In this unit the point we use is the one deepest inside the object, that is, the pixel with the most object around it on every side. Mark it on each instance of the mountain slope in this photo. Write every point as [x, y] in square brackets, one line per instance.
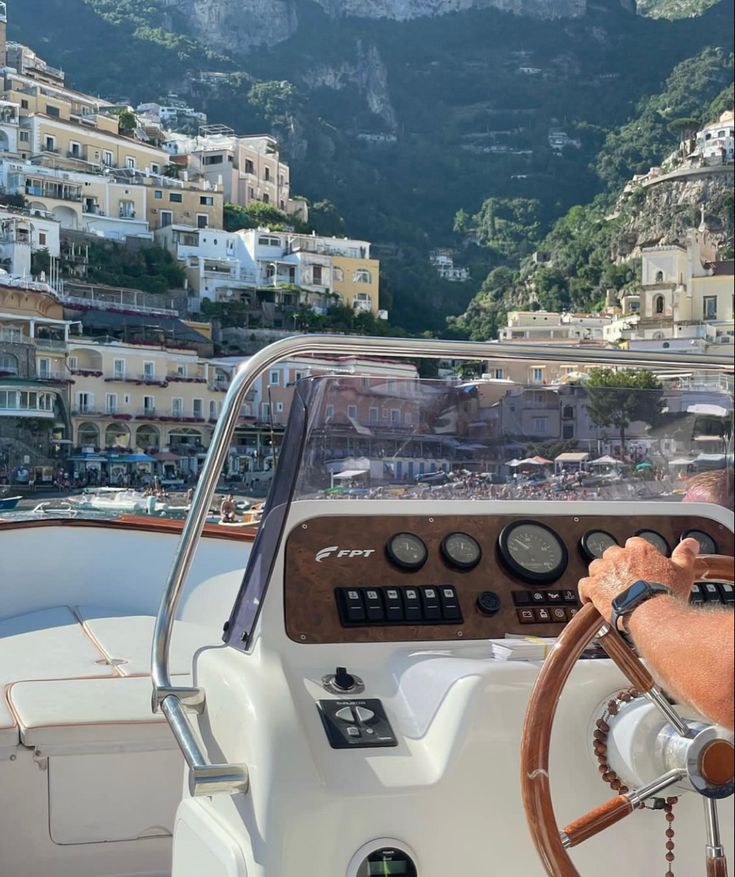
[399, 123]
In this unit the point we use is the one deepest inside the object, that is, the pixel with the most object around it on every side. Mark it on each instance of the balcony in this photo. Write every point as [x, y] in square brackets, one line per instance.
[86, 411]
[57, 345]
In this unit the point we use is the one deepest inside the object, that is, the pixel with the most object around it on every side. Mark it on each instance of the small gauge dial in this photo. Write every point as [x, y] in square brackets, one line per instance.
[655, 539]
[595, 543]
[407, 551]
[707, 544]
[461, 551]
[533, 551]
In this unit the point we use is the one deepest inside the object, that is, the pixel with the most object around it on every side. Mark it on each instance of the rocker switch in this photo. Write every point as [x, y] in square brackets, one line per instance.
[343, 680]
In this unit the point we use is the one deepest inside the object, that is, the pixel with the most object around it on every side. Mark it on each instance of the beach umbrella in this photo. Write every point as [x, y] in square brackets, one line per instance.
[644, 465]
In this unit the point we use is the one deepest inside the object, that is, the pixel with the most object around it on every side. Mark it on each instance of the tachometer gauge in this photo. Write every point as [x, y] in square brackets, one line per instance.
[407, 551]
[707, 544]
[533, 551]
[655, 539]
[461, 550]
[595, 543]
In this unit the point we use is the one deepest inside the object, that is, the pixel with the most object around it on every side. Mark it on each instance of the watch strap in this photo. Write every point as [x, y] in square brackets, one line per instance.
[632, 597]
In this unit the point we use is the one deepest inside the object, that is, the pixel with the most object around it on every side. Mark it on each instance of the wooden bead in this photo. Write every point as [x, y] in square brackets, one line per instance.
[670, 845]
[669, 832]
[670, 857]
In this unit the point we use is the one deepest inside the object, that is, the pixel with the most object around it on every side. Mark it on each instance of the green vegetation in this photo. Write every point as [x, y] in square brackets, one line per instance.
[323, 218]
[673, 9]
[150, 269]
[617, 398]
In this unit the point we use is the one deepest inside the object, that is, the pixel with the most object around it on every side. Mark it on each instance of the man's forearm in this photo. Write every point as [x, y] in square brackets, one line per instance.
[691, 653]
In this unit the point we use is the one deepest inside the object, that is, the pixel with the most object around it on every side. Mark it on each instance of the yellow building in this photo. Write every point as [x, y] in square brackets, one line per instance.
[179, 202]
[357, 282]
[142, 397]
[70, 141]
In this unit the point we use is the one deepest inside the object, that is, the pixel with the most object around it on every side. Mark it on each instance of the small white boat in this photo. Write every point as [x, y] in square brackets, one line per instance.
[118, 499]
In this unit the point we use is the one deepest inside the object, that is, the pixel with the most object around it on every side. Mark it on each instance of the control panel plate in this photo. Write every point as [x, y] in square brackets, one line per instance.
[328, 555]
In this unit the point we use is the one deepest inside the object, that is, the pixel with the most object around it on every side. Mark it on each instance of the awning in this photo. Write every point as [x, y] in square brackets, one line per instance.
[87, 458]
[350, 473]
[708, 409]
[680, 461]
[605, 460]
[571, 457]
[118, 459]
[167, 457]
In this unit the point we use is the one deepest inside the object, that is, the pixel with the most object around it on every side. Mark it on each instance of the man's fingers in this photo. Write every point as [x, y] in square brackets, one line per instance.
[638, 542]
[582, 586]
[685, 554]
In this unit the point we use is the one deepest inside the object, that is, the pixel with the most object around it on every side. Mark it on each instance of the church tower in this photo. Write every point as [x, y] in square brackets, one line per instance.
[3, 33]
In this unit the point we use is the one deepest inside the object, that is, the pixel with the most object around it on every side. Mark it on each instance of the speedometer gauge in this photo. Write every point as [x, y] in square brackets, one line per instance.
[655, 539]
[406, 551]
[461, 551]
[595, 543]
[533, 551]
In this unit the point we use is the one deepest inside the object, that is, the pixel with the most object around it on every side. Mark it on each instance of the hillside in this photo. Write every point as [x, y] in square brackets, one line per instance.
[399, 123]
[596, 247]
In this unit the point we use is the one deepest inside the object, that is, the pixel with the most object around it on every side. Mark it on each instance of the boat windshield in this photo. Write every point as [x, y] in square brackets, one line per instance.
[596, 434]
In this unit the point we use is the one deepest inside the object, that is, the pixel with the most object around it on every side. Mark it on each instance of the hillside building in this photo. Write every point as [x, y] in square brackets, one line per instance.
[549, 326]
[716, 141]
[443, 261]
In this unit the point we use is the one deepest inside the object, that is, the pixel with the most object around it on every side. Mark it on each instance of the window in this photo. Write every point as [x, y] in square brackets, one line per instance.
[352, 412]
[279, 407]
[175, 197]
[181, 371]
[395, 417]
[24, 103]
[408, 419]
[206, 200]
[362, 275]
[659, 277]
[212, 410]
[42, 239]
[118, 369]
[43, 368]
[107, 158]
[328, 413]
[275, 378]
[338, 274]
[537, 375]
[249, 166]
[267, 175]
[266, 198]
[568, 431]
[202, 220]
[213, 159]
[177, 407]
[158, 194]
[110, 403]
[149, 370]
[75, 149]
[659, 304]
[24, 136]
[197, 408]
[149, 404]
[155, 169]
[127, 209]
[710, 307]
[85, 403]
[540, 425]
[167, 218]
[499, 374]
[73, 363]
[49, 144]
[373, 416]
[51, 110]
[265, 411]
[317, 275]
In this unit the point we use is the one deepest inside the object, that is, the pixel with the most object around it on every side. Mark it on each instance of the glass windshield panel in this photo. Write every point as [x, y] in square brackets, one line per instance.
[591, 434]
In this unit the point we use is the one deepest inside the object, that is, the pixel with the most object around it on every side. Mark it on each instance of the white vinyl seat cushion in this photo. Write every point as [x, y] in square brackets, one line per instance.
[89, 715]
[48, 644]
[126, 639]
[8, 726]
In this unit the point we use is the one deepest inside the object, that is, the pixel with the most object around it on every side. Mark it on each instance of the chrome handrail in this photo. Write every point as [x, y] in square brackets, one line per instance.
[206, 778]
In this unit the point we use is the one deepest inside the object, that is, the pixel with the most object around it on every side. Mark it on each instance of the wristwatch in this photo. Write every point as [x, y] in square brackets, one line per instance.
[631, 598]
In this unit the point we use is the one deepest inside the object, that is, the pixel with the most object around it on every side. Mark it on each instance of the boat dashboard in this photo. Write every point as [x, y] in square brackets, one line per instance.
[360, 578]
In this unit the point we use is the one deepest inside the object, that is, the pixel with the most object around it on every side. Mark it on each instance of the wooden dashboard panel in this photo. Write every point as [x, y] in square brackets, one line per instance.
[311, 612]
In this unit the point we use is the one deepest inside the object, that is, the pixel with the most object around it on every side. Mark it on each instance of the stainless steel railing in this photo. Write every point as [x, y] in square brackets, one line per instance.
[206, 778]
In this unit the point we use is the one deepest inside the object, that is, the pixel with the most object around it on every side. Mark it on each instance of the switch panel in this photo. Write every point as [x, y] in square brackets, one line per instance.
[356, 724]
[387, 606]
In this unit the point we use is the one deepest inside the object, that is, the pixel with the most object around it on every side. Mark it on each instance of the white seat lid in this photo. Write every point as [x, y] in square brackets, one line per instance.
[128, 638]
[89, 714]
[8, 726]
[48, 644]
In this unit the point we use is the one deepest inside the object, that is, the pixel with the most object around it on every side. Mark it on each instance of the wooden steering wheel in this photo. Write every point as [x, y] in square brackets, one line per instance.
[551, 842]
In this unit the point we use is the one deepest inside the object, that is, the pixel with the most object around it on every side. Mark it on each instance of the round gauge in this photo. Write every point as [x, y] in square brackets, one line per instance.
[707, 544]
[533, 551]
[655, 539]
[595, 543]
[461, 550]
[407, 551]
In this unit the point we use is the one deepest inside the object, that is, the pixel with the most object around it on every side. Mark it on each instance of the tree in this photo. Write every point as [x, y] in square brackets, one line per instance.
[617, 398]
[127, 122]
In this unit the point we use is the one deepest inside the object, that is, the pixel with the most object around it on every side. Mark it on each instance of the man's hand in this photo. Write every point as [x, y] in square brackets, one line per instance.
[618, 568]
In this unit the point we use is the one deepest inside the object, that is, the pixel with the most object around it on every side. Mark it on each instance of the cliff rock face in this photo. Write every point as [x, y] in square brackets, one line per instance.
[242, 25]
[664, 212]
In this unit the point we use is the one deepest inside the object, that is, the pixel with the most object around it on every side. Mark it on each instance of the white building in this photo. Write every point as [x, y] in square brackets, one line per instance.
[717, 140]
[443, 261]
[9, 122]
[546, 326]
[21, 235]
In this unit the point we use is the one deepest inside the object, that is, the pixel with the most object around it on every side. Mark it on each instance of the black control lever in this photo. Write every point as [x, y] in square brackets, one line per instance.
[343, 680]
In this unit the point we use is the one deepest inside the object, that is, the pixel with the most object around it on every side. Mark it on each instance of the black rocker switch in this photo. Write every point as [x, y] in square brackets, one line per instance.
[343, 680]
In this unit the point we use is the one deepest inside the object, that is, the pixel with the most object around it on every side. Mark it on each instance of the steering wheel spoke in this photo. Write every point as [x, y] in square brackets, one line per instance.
[716, 860]
[615, 809]
[634, 669]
